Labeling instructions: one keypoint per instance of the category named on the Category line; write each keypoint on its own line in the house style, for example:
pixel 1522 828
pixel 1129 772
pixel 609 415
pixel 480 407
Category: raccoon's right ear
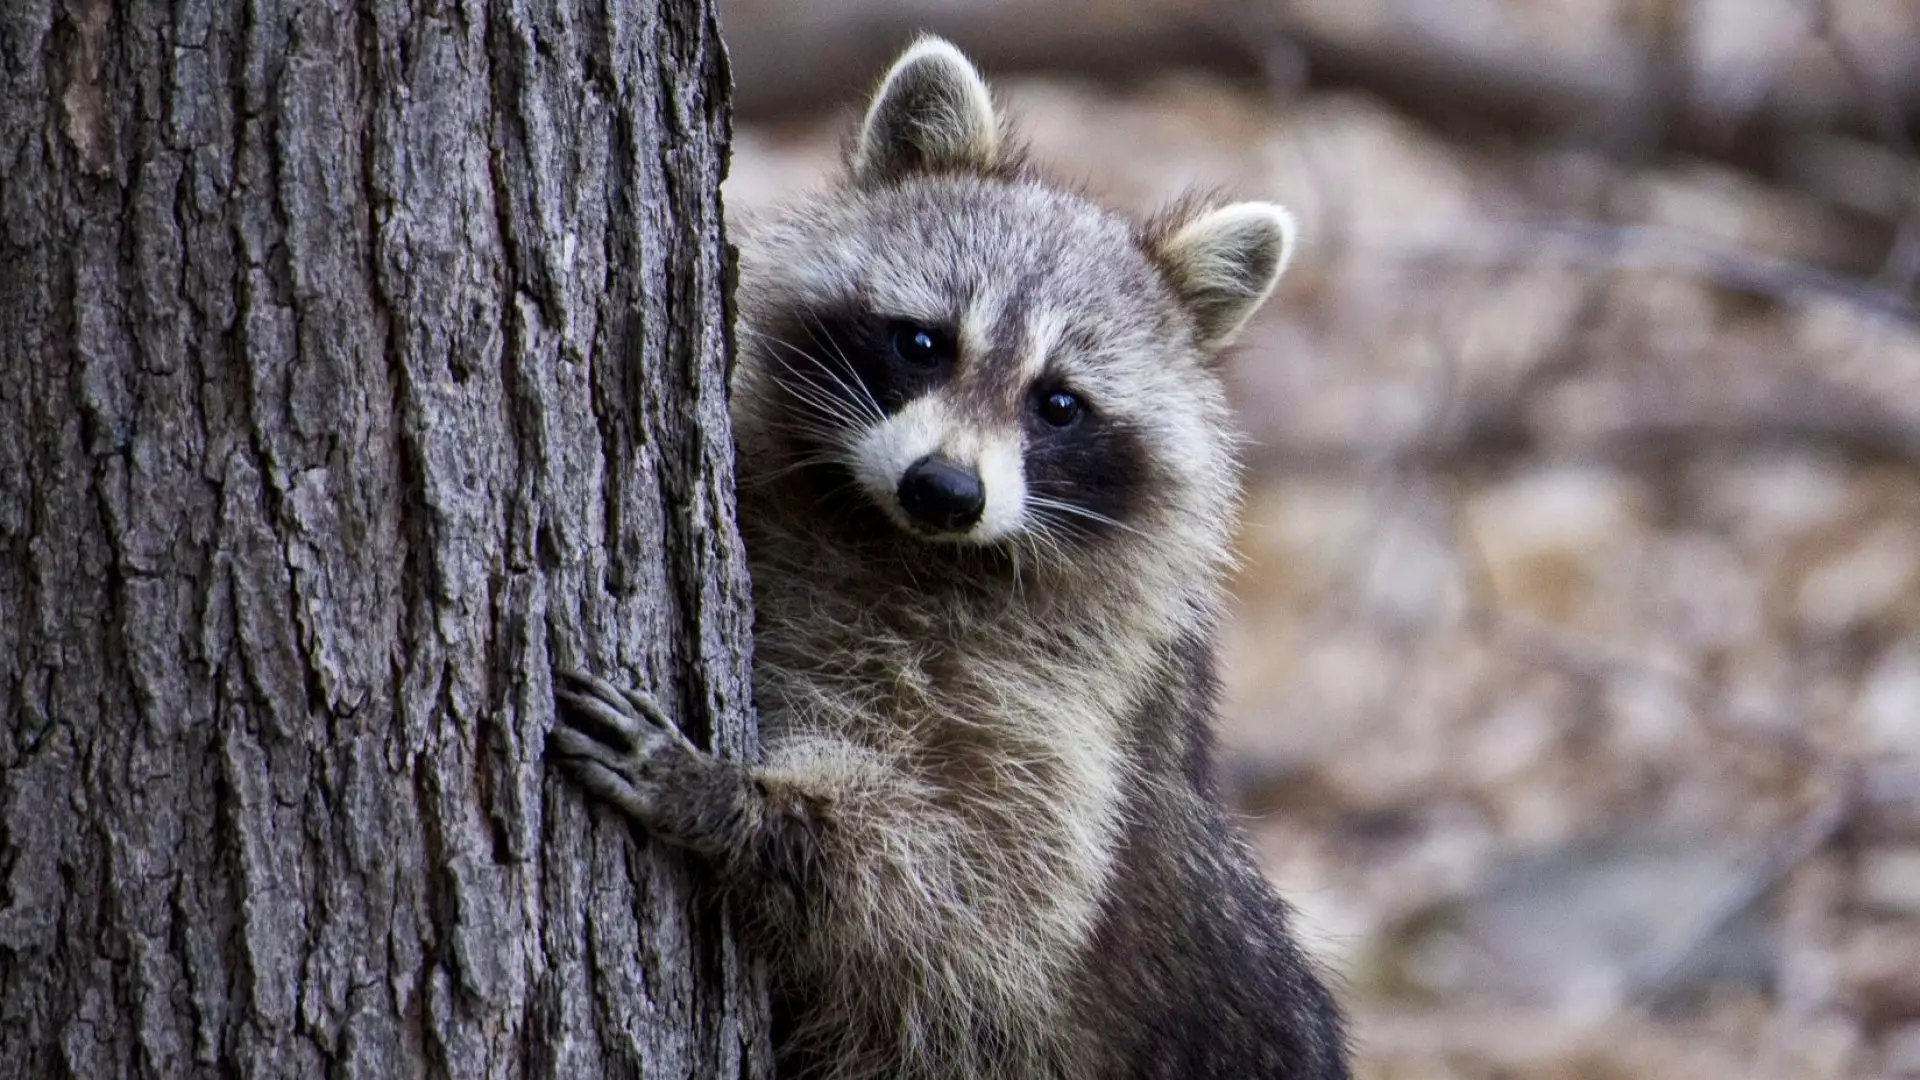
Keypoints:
pixel 932 112
pixel 1222 263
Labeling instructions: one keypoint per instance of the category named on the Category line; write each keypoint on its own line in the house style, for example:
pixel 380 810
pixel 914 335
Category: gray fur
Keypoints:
pixel 932 111
pixel 984 840
pixel 1224 263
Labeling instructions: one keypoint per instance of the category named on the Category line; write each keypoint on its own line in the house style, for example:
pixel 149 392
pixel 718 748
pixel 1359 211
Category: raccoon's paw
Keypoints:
pixel 621 746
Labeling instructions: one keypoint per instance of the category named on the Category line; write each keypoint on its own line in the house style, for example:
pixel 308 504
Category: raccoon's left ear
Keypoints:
pixel 1223 263
pixel 932 111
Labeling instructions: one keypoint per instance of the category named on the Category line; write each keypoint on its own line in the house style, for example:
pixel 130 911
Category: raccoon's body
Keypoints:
pixel 986 488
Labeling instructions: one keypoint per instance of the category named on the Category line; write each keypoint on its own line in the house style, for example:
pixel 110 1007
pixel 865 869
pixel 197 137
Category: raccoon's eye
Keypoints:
pixel 1061 408
pixel 921 346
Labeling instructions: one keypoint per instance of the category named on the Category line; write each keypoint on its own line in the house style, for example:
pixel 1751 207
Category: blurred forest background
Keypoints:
pixel 1574 684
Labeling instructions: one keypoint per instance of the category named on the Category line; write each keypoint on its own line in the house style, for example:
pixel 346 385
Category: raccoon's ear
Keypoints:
pixel 932 111
pixel 1223 263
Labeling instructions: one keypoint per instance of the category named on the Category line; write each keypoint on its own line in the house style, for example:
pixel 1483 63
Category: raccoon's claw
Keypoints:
pixel 618 744
pixel 585 761
pixel 614 714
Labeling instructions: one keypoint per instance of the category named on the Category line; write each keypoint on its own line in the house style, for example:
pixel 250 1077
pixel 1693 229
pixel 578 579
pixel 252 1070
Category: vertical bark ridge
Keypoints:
pixel 331 406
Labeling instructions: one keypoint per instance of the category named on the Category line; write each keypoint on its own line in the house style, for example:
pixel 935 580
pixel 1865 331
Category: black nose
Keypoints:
pixel 942 495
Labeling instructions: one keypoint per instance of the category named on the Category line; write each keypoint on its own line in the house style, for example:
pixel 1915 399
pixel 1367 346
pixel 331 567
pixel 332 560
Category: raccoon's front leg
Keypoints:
pixel 624 749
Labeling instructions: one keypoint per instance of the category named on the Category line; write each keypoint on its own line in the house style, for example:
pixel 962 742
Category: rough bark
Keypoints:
pixel 356 359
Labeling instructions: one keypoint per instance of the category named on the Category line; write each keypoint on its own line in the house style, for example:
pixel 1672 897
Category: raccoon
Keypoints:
pixel 987 483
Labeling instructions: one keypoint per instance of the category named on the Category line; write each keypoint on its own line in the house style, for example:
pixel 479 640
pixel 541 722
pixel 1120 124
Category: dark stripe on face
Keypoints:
pixel 990 388
pixel 993 384
pixel 1098 467
pixel 855 359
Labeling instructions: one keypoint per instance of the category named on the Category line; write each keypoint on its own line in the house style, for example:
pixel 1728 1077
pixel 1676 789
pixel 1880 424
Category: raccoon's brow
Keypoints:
pixel 981 321
pixel 1033 323
pixel 1040 334
pixel 994 322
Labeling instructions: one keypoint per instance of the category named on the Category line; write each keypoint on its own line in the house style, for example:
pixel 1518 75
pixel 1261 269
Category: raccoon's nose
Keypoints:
pixel 941 495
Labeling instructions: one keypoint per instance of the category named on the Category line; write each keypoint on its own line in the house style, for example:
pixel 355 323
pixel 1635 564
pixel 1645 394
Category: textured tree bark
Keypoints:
pixel 356 359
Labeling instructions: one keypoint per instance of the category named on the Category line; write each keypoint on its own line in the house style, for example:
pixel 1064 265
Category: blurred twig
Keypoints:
pixel 1859 432
pixel 1780 856
pixel 1648 247
pixel 793 58
pixel 1426 57
pixel 1494 426
pixel 1623 92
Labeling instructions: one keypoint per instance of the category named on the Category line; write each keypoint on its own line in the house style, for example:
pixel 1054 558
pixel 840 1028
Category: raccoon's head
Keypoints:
pixel 987 359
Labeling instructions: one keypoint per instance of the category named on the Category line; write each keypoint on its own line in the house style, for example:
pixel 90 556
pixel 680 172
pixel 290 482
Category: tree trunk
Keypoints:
pixel 357 360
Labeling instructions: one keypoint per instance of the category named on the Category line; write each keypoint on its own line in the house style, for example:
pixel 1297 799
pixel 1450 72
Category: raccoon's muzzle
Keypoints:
pixel 942 495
